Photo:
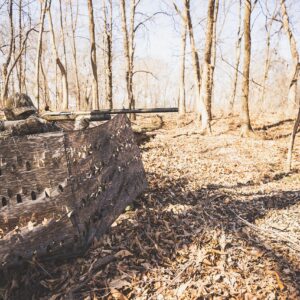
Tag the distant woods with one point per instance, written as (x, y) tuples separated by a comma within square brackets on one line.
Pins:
[(86, 54)]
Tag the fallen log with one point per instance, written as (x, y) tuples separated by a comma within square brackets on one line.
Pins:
[(61, 190)]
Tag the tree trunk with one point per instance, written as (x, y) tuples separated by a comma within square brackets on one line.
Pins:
[(237, 59), (74, 53), (95, 92), (21, 79), (128, 44), (65, 89), (214, 47), (182, 95), (108, 54), (292, 95), (206, 90), (201, 110), (268, 27), (245, 116), (5, 66)]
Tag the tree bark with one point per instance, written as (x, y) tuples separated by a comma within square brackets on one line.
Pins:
[(39, 53), (5, 66), (206, 88), (108, 53), (214, 47), (95, 92), (128, 44), (237, 59), (74, 53), (65, 89), (201, 110), (292, 95), (182, 94), (245, 115)]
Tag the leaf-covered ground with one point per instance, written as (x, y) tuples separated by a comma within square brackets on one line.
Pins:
[(220, 220)]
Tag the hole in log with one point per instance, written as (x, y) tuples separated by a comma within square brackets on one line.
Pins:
[(13, 168), (60, 188), (28, 166), (9, 193), (0, 172), (4, 201), (20, 161), (48, 249), (33, 195), (19, 198), (75, 239)]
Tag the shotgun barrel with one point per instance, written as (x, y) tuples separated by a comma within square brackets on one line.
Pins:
[(103, 115)]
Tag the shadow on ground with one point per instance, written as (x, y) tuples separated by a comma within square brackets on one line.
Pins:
[(166, 221)]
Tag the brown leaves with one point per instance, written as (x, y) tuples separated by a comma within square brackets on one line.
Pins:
[(183, 239)]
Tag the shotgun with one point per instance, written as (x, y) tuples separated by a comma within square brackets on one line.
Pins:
[(102, 115)]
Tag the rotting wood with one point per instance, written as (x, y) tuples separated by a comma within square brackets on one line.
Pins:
[(59, 191)]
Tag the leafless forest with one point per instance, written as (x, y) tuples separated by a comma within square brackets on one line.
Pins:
[(220, 218)]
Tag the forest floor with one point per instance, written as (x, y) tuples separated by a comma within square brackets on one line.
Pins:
[(220, 220)]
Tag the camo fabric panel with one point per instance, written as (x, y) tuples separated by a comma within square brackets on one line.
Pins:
[(59, 191)]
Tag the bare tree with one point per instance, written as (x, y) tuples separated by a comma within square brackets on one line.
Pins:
[(39, 52), (95, 93), (74, 53), (128, 44), (237, 56), (5, 66), (245, 115), (214, 46), (206, 88), (292, 95), (108, 52), (201, 110), (268, 26), (182, 92), (65, 88)]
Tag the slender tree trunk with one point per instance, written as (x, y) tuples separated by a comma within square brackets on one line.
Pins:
[(46, 88), (182, 94), (20, 71), (214, 47), (132, 50), (268, 27), (65, 89), (39, 52), (206, 91), (74, 53), (108, 53), (201, 110), (63, 37), (292, 96), (5, 66), (245, 115), (128, 44), (237, 58), (196, 64), (95, 92)]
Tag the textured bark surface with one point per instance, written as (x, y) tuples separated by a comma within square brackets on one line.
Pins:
[(59, 190), (237, 57), (245, 115), (206, 88), (182, 94), (95, 103)]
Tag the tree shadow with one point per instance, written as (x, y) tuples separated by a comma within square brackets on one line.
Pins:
[(168, 218)]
